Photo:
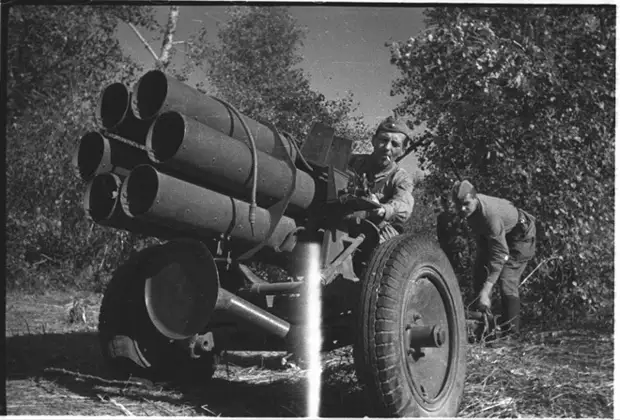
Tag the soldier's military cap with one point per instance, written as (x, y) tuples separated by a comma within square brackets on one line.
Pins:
[(460, 189), (394, 125)]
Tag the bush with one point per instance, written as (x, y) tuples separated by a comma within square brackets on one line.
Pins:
[(521, 102), (60, 57)]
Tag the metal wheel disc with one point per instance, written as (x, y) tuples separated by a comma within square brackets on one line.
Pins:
[(430, 368)]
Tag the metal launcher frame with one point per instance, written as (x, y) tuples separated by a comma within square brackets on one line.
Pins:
[(324, 156), (171, 162)]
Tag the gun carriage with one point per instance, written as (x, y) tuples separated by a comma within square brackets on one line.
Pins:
[(225, 191)]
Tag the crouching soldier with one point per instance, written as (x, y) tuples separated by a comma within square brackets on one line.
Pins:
[(391, 186), (506, 239)]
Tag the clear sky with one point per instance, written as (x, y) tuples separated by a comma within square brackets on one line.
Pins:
[(344, 49)]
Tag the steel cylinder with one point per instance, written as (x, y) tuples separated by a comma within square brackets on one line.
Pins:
[(186, 146), (102, 204), (101, 197), (150, 195), (116, 114), (97, 154), (182, 291), (251, 313), (157, 92)]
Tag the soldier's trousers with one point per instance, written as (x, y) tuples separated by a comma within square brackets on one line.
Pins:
[(521, 252)]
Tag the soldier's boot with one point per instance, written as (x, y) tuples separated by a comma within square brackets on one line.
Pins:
[(511, 317), (510, 334)]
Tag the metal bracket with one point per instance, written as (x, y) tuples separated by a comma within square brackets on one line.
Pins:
[(329, 273)]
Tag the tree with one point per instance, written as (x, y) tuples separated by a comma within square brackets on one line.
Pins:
[(163, 60), (59, 60), (255, 67), (521, 101)]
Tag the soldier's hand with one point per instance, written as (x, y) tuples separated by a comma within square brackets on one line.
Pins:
[(484, 297), (378, 213), (357, 217), (387, 232)]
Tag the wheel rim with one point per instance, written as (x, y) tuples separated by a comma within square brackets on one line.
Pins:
[(431, 369)]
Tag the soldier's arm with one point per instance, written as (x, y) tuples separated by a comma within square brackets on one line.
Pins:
[(480, 264), (400, 206), (497, 248)]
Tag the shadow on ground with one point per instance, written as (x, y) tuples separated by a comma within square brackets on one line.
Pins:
[(339, 401), (71, 364), (73, 361)]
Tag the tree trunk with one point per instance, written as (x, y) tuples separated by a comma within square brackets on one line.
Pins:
[(166, 48)]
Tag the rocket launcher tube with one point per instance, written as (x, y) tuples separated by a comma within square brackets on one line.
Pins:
[(97, 154), (101, 196), (157, 92), (164, 200), (116, 115), (102, 204), (184, 145)]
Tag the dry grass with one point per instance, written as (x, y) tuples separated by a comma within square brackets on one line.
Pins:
[(54, 368), (566, 375)]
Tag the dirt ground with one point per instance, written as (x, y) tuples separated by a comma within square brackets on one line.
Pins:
[(54, 368)]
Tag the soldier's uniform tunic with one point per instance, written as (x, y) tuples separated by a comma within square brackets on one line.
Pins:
[(506, 242), (393, 186)]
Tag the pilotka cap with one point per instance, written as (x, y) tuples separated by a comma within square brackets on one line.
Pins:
[(393, 125), (461, 189)]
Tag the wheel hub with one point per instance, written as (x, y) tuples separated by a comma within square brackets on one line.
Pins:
[(427, 339), (421, 336)]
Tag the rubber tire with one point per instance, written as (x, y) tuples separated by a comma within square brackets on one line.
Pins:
[(378, 352), (129, 342)]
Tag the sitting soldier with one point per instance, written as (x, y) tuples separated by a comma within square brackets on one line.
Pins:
[(391, 186)]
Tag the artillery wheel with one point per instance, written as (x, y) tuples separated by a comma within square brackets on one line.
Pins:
[(411, 331), (130, 343)]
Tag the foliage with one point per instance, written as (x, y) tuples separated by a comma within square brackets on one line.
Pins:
[(255, 66), (521, 102), (59, 60), (56, 50), (425, 209)]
